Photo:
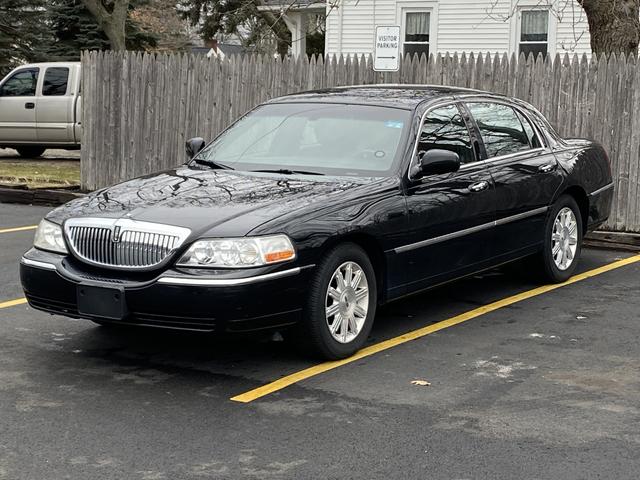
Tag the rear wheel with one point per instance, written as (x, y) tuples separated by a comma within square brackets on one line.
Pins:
[(30, 152), (562, 240), (340, 306)]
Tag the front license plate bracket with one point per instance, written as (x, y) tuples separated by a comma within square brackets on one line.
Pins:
[(101, 302)]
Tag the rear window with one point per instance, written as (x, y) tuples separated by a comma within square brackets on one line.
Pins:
[(55, 81), (500, 128)]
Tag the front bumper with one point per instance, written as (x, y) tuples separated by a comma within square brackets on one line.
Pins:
[(237, 301)]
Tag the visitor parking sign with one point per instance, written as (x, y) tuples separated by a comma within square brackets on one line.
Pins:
[(387, 49)]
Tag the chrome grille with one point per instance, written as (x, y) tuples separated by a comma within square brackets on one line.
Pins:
[(123, 243)]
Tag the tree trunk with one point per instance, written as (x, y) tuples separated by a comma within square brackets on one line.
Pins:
[(614, 25), (111, 22)]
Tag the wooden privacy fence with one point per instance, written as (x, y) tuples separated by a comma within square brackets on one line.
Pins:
[(139, 109)]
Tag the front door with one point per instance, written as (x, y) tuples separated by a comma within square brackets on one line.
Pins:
[(525, 174), (18, 107), (450, 216)]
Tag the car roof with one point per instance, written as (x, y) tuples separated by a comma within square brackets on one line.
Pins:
[(47, 64), (396, 95)]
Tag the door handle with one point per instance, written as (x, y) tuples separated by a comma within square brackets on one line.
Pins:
[(547, 167), (29, 105), (480, 186)]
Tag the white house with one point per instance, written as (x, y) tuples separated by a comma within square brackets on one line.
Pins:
[(440, 26)]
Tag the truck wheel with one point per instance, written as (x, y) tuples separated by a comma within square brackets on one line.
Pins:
[(341, 305), (30, 152), (562, 241)]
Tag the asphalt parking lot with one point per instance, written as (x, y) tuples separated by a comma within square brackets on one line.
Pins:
[(547, 387)]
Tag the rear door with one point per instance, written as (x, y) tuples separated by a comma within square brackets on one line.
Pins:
[(451, 215), (55, 105), (524, 170), (18, 106)]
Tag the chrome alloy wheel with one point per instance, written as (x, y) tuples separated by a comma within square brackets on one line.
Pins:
[(564, 238), (347, 302)]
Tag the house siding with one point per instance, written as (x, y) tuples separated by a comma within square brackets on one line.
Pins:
[(573, 31), (488, 26)]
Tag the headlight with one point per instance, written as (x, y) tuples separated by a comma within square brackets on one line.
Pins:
[(49, 237), (238, 252)]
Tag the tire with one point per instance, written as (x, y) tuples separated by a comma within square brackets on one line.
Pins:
[(313, 335), (30, 152), (551, 269)]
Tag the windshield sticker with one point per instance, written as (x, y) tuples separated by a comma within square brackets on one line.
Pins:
[(393, 124)]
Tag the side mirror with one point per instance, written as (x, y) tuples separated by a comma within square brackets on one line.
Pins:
[(435, 162), (194, 145)]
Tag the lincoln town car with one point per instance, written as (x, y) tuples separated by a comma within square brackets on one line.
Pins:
[(313, 209)]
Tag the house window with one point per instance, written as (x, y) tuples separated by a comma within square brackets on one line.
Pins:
[(416, 33), (534, 32)]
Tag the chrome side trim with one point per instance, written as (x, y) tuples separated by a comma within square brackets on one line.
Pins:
[(603, 189), (443, 238), (513, 155), (467, 166), (37, 264), (520, 216), (468, 231), (219, 282)]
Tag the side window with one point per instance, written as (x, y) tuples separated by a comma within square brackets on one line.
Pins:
[(500, 128), (534, 141), (55, 81), (444, 128), (21, 84)]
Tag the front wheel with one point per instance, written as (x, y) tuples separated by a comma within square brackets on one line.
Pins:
[(30, 152), (562, 240), (341, 304)]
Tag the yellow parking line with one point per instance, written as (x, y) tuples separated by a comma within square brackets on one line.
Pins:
[(13, 303), (421, 332), (18, 229)]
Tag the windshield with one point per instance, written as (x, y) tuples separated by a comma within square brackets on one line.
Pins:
[(331, 139)]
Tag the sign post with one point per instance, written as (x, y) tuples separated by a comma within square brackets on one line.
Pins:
[(387, 51)]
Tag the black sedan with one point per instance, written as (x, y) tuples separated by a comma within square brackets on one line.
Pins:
[(315, 208)]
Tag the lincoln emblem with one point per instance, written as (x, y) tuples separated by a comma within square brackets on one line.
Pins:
[(115, 238)]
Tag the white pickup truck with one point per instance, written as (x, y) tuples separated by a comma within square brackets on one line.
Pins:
[(40, 108)]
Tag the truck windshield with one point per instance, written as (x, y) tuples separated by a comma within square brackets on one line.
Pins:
[(332, 139)]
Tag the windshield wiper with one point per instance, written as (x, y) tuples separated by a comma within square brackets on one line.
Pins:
[(212, 164), (286, 171)]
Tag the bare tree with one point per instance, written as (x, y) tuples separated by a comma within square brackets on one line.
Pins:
[(160, 19), (614, 25), (111, 17), (214, 17)]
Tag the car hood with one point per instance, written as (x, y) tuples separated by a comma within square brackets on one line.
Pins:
[(221, 202)]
